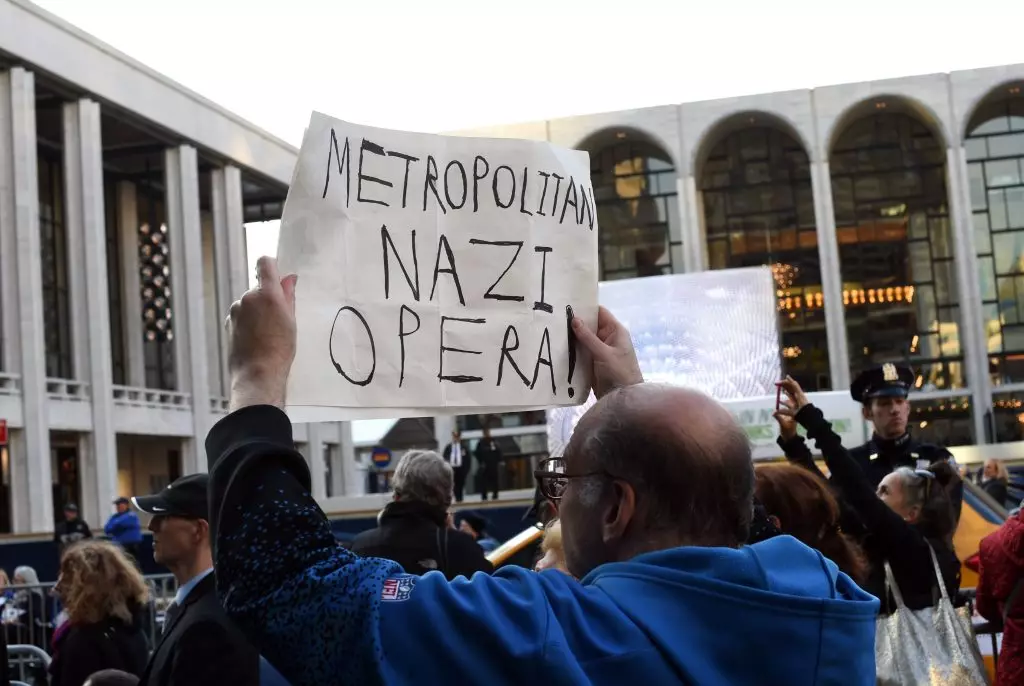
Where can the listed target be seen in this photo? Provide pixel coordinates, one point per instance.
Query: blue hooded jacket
(124, 528)
(772, 613)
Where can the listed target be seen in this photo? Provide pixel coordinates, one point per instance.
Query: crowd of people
(667, 553)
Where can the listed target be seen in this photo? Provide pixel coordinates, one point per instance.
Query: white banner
(436, 274)
(755, 416)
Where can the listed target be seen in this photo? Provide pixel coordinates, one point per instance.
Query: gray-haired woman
(413, 529)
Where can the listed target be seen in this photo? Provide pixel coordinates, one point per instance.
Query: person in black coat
(489, 455)
(71, 530)
(413, 530)
(103, 593)
(199, 645)
(910, 515)
(456, 454)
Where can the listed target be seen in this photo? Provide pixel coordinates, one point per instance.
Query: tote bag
(932, 646)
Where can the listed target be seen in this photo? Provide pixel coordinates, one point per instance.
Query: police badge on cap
(886, 380)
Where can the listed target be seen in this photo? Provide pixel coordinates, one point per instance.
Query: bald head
(686, 458)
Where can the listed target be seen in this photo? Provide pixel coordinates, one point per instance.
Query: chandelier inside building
(155, 280)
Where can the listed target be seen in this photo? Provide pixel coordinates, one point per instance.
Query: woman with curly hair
(104, 596)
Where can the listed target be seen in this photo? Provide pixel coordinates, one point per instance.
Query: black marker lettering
(344, 165)
(588, 206)
(430, 183)
(494, 187)
(478, 176)
(574, 202)
(402, 333)
(374, 149)
(373, 348)
(443, 242)
(458, 378)
(522, 198)
(414, 285)
(489, 295)
(540, 304)
(554, 200)
(505, 350)
(409, 159)
(543, 193)
(545, 340)
(465, 186)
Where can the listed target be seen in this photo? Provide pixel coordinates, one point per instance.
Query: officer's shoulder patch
(397, 589)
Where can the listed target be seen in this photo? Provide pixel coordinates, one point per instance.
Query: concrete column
(181, 174)
(677, 238)
(337, 457)
(695, 248)
(234, 228)
(90, 298)
(974, 345)
(32, 509)
(831, 276)
(313, 451)
(131, 285)
(353, 478)
(227, 228)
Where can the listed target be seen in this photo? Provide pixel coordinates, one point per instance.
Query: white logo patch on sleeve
(397, 590)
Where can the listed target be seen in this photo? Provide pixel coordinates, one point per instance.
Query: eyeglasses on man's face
(553, 478)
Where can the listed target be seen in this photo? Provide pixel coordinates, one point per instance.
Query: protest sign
(436, 274)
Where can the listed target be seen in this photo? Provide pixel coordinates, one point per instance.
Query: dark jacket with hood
(416, 536)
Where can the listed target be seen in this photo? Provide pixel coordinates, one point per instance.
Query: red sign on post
(3, 432)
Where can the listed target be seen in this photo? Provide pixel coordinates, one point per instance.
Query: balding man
(656, 496)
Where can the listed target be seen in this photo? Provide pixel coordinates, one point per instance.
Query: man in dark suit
(199, 645)
(489, 455)
(456, 454)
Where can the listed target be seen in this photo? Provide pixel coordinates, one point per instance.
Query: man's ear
(621, 510)
(865, 410)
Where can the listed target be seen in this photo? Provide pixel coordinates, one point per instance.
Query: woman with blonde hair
(995, 479)
(552, 552)
(104, 596)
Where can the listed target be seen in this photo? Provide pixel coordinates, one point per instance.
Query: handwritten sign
(436, 274)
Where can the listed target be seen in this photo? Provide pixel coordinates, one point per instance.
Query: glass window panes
(635, 191)
(53, 245)
(756, 186)
(1008, 414)
(942, 421)
(896, 239)
(995, 145)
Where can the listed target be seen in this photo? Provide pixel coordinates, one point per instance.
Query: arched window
(635, 192)
(896, 247)
(995, 166)
(759, 210)
(995, 172)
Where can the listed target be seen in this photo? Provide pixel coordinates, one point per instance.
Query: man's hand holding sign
(437, 273)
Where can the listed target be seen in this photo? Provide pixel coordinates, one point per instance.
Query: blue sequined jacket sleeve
(310, 606)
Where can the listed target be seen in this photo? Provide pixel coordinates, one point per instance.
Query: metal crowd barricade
(23, 660)
(29, 614)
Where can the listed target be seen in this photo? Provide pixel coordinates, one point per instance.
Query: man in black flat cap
(71, 530)
(199, 644)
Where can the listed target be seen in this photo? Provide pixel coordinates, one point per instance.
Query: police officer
(882, 391)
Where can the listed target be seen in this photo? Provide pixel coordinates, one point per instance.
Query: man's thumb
(288, 286)
(594, 345)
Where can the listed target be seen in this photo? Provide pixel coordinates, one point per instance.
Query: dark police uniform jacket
(202, 647)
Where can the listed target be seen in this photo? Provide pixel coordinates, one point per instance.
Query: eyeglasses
(928, 477)
(552, 478)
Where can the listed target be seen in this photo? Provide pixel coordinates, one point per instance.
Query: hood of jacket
(776, 612)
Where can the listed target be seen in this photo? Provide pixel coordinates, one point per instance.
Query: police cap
(885, 380)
